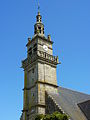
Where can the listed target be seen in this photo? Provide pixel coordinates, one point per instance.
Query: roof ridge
(73, 90)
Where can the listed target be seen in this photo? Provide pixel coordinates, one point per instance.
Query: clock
(45, 47)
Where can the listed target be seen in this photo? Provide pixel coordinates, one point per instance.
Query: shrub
(54, 116)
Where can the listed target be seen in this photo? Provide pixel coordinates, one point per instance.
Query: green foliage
(54, 116)
(39, 117)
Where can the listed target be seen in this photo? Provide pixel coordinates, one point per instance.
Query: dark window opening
(33, 95)
(33, 70)
(45, 55)
(39, 28)
(35, 32)
(35, 28)
(37, 19)
(35, 47)
(40, 19)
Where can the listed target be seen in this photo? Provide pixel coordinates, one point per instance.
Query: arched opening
(39, 29)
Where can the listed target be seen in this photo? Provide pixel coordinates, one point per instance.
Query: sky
(68, 23)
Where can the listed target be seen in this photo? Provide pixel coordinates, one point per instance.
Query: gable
(85, 107)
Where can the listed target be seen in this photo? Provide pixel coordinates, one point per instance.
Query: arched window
(39, 29)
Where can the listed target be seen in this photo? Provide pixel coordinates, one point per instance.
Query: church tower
(39, 72)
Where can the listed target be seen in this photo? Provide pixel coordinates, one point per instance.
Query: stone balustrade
(42, 55)
(47, 56)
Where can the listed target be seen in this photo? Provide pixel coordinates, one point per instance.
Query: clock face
(45, 47)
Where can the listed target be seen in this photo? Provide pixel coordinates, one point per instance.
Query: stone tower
(39, 72)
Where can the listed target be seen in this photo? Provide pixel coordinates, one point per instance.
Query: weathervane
(38, 6)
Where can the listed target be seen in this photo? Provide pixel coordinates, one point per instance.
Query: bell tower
(39, 27)
(39, 72)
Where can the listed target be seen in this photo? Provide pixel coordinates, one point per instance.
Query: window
(35, 28)
(33, 94)
(35, 47)
(40, 19)
(32, 79)
(37, 20)
(33, 70)
(39, 28)
(32, 110)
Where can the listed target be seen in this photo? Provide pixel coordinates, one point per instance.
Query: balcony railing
(42, 55)
(47, 56)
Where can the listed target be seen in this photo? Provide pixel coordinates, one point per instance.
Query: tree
(54, 116)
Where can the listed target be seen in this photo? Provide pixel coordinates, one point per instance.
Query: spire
(39, 27)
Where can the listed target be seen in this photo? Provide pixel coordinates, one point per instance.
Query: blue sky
(68, 22)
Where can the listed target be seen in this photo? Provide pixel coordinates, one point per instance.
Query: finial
(29, 39)
(49, 37)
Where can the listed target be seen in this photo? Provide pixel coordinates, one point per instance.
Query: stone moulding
(37, 36)
(45, 83)
(42, 56)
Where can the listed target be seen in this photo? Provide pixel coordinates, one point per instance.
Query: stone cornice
(35, 105)
(39, 105)
(41, 82)
(39, 36)
(46, 83)
(29, 87)
(42, 56)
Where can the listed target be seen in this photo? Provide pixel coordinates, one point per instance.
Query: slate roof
(70, 102)
(85, 107)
